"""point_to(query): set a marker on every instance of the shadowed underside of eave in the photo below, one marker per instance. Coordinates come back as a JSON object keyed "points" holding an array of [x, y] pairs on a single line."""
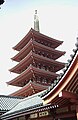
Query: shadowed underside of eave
{"points": [[67, 87], [35, 46], [35, 59], [30, 73], [29, 89]]}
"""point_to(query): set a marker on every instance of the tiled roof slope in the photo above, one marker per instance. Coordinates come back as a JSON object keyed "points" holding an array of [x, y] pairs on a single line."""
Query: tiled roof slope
{"points": [[26, 104], [8, 102]]}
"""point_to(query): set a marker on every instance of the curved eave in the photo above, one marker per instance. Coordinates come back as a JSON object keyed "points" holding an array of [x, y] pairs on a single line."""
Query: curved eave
{"points": [[22, 64], [18, 57], [56, 53], [55, 42], [34, 33], [28, 73], [32, 56], [29, 89], [73, 84], [73, 68], [33, 44], [49, 62], [23, 42]]}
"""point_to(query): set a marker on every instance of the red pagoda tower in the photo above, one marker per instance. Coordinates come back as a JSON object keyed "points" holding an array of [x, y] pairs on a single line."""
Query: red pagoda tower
{"points": [[37, 66]]}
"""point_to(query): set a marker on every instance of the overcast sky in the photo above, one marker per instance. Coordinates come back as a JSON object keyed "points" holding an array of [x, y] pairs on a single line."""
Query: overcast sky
{"points": [[58, 19]]}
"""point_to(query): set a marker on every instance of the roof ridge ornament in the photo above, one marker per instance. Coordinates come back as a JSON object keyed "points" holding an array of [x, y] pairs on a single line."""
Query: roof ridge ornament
{"points": [[36, 22]]}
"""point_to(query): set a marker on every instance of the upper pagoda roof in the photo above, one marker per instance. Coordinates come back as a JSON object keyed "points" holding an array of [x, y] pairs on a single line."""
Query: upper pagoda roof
{"points": [[31, 71], [21, 66], [32, 33], [34, 45], [29, 89]]}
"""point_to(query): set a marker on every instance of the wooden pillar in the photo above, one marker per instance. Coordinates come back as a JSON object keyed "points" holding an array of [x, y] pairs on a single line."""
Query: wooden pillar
{"points": [[77, 111]]}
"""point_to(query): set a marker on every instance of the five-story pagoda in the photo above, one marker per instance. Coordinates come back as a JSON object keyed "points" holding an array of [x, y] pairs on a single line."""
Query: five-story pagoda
{"points": [[37, 66]]}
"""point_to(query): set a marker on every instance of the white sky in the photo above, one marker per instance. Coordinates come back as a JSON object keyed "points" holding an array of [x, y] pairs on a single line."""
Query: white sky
{"points": [[58, 19]]}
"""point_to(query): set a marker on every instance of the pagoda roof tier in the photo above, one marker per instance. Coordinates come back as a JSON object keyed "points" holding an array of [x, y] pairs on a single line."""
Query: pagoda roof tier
{"points": [[33, 73], [36, 59], [37, 35], [39, 49], [29, 89]]}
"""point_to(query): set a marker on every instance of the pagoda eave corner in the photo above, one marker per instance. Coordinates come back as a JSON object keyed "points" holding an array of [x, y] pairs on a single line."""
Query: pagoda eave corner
{"points": [[29, 89]]}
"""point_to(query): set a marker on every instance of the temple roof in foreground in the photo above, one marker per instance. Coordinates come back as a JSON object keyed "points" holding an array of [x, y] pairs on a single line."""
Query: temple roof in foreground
{"points": [[8, 102], [46, 97], [27, 104], [71, 64]]}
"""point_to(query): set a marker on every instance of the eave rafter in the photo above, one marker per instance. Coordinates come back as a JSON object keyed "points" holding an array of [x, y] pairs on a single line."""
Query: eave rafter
{"points": [[68, 95], [60, 101], [73, 84]]}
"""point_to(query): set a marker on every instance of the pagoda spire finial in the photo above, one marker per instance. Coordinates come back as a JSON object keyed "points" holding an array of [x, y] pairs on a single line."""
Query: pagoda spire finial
{"points": [[36, 22]]}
